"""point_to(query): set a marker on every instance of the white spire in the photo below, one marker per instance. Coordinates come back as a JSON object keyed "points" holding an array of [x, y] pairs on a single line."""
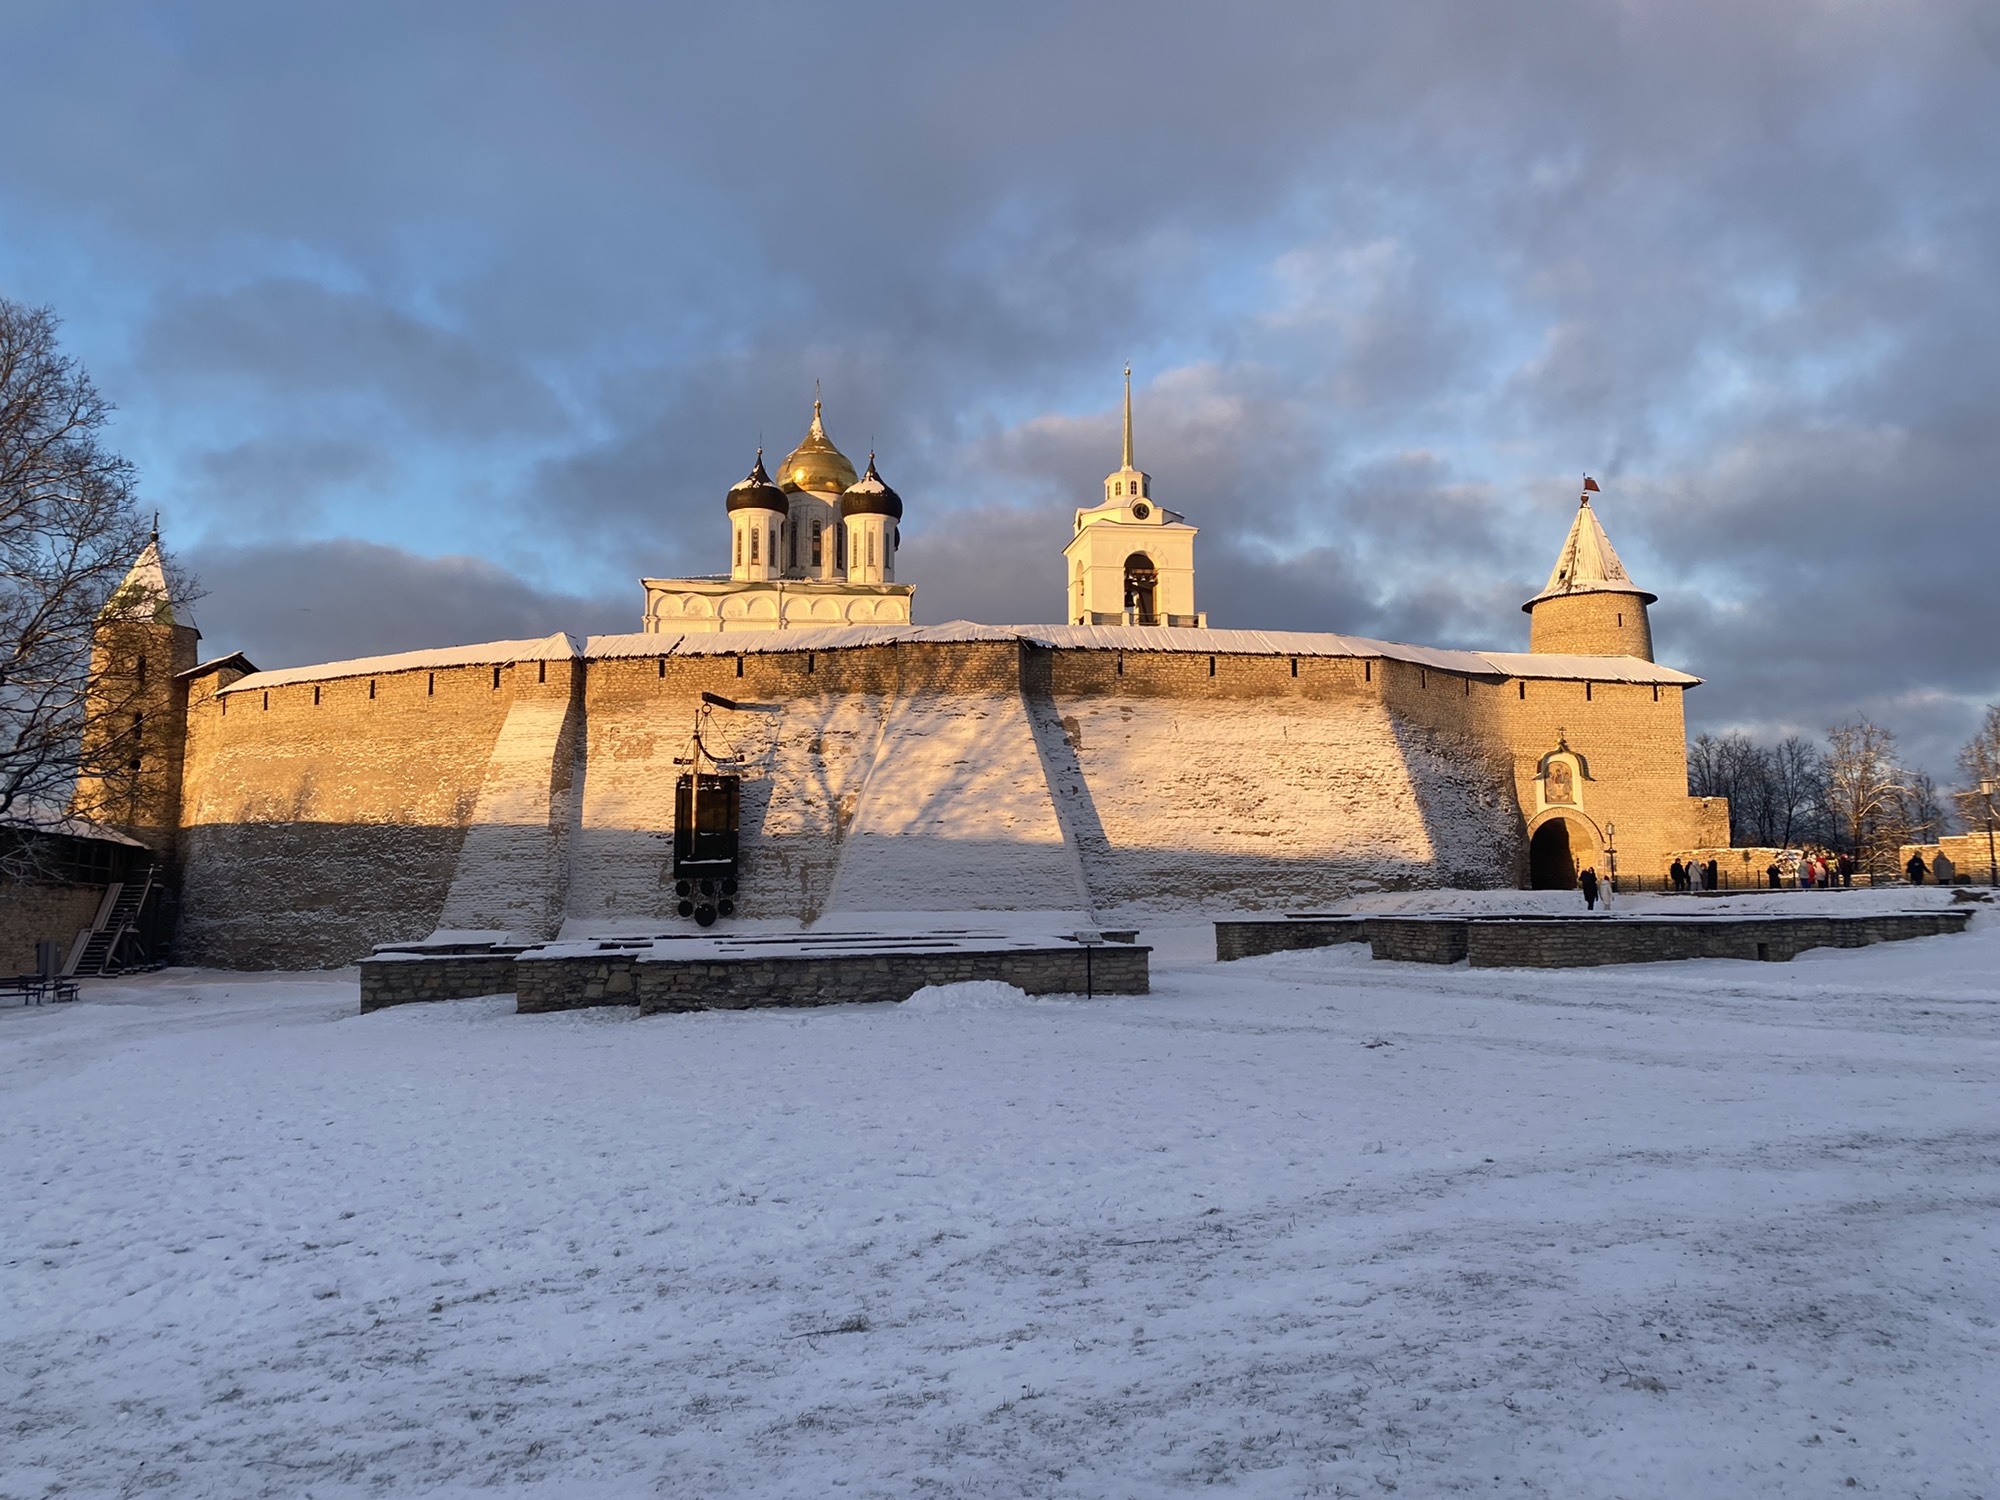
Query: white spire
{"points": [[1128, 482], [1128, 416]]}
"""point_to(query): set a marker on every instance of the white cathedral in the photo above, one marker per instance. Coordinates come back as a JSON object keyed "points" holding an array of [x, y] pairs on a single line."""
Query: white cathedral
{"points": [[815, 545]]}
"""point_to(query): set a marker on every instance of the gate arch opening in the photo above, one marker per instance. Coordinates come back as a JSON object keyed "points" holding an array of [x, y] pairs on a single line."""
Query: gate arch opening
{"points": [[1557, 851]]}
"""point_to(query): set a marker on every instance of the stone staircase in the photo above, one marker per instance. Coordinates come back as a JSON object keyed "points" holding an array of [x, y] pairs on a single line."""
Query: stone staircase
{"points": [[96, 950]]}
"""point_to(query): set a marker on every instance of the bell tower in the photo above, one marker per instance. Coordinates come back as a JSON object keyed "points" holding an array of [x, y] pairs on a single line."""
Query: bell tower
{"points": [[1130, 562]]}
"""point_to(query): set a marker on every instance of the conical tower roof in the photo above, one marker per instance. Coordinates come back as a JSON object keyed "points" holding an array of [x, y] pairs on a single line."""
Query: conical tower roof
{"points": [[1587, 563], [144, 595]]}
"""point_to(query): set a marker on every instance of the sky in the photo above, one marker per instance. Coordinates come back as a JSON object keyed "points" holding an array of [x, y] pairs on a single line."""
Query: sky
{"points": [[445, 323]]}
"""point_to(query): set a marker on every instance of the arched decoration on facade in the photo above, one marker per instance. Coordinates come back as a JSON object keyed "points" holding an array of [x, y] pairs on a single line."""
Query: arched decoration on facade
{"points": [[1560, 777]]}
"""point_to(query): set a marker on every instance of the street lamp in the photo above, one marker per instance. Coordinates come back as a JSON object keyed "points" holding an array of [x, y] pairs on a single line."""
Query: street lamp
{"points": [[1986, 790], [1610, 861]]}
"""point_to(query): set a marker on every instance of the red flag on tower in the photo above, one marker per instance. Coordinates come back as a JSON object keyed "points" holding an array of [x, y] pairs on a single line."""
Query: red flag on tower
{"points": [[1591, 485]]}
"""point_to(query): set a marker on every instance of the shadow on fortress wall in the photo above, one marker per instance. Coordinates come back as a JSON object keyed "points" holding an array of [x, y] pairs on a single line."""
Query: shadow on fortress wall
{"points": [[321, 895], [1456, 776], [310, 895]]}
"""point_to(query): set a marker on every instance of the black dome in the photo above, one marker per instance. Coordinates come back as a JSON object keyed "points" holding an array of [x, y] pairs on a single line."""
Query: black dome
{"points": [[757, 492], [869, 496]]}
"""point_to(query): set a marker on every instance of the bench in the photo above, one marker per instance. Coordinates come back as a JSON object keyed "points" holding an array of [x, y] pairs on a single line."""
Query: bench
{"points": [[36, 988], [47, 983]]}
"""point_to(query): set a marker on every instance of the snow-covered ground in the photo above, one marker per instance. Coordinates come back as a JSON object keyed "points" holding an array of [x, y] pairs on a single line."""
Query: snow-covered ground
{"points": [[1301, 1225]]}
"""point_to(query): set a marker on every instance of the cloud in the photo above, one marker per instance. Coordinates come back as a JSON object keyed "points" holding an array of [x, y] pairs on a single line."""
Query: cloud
{"points": [[281, 484], [533, 283], [300, 342], [287, 605]]}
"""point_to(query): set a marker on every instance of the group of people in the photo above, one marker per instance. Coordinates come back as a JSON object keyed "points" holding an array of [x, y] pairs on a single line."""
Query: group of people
{"points": [[1813, 869], [1940, 869], [1695, 876]]}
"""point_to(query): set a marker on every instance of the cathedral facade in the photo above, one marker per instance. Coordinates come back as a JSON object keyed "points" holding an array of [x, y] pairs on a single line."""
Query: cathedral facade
{"points": [[814, 546], [1130, 760]]}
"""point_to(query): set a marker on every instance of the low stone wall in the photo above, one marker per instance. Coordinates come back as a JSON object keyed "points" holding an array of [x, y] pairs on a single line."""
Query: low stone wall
{"points": [[1579, 941], [1583, 942], [775, 979], [1253, 937], [573, 983], [405, 978], [1418, 940]]}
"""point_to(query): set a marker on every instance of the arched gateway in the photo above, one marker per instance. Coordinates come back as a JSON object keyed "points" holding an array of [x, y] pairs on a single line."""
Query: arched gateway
{"points": [[1557, 851]]}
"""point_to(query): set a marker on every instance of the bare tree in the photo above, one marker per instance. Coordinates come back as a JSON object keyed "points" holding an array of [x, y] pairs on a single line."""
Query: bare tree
{"points": [[1979, 762], [1731, 766], [1775, 792], [1864, 789], [1978, 793], [1798, 791], [69, 530], [1920, 815]]}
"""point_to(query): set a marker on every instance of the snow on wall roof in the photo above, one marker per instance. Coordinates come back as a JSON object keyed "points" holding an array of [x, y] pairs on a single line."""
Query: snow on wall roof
{"points": [[807, 638], [1138, 638], [1246, 643], [557, 647], [1587, 668]]}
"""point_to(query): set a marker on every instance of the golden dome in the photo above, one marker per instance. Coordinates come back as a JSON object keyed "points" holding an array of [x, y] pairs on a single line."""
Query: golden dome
{"points": [[817, 465]]}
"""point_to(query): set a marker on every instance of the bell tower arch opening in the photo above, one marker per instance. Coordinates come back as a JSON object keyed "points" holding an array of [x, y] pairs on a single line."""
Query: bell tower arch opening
{"points": [[1142, 584]]}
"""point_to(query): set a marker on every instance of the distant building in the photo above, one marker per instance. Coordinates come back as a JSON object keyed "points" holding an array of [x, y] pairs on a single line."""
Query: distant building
{"points": [[1131, 560], [814, 546]]}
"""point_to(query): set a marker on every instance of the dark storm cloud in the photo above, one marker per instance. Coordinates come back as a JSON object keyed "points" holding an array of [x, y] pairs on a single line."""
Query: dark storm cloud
{"points": [[1392, 278], [282, 604], [281, 484], [298, 341]]}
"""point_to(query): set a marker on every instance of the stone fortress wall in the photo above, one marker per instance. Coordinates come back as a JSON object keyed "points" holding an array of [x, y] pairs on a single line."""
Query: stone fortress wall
{"points": [[525, 786], [324, 813]]}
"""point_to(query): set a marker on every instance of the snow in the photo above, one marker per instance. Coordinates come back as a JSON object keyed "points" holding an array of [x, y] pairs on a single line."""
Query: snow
{"points": [[557, 647], [972, 994], [1307, 1224], [1143, 638], [510, 867], [955, 811]]}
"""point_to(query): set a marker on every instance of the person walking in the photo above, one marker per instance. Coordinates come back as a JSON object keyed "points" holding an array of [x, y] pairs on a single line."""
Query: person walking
{"points": [[1942, 869], [1915, 868], [1772, 874], [1587, 882], [1677, 872], [1847, 869]]}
